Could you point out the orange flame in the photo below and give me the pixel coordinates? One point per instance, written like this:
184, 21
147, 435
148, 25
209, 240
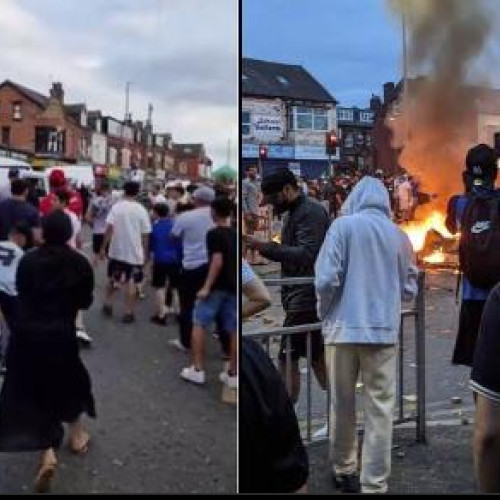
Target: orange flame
417, 231
436, 257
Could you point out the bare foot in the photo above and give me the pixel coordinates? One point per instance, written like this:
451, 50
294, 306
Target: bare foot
79, 441
46, 472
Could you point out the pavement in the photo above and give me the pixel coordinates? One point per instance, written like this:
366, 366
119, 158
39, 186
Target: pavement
444, 464
154, 433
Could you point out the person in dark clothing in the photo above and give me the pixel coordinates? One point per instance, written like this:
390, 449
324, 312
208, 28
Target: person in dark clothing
46, 382
217, 296
16, 209
485, 382
479, 180
302, 236
272, 457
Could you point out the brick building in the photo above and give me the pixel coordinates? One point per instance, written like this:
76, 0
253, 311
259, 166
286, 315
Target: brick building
42, 127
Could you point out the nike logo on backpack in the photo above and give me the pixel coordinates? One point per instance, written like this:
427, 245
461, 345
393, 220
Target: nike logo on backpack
480, 227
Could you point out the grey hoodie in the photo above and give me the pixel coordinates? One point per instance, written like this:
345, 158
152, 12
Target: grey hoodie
364, 270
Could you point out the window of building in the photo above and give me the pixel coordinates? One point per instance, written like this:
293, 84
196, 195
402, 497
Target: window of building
5, 135
360, 139
246, 126
315, 119
49, 140
349, 140
368, 140
17, 113
366, 117
346, 115
112, 154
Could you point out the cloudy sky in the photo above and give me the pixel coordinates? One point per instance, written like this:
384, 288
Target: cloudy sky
180, 55
351, 46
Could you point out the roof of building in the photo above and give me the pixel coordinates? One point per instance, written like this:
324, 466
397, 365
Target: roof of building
75, 108
270, 79
189, 150
32, 95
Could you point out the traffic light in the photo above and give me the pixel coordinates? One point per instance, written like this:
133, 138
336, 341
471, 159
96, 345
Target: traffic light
332, 142
263, 152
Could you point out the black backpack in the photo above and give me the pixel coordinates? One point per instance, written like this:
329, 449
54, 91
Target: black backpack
479, 250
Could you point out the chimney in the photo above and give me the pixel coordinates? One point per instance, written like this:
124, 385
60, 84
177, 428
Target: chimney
57, 92
388, 92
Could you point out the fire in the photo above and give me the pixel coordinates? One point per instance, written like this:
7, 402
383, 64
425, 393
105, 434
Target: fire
417, 231
436, 257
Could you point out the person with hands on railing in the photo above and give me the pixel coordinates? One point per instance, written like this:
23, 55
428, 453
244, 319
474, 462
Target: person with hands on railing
302, 235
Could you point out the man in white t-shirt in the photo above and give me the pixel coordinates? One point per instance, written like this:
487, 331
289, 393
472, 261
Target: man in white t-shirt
127, 233
192, 227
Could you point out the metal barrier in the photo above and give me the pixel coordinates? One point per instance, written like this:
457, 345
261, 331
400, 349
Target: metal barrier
417, 312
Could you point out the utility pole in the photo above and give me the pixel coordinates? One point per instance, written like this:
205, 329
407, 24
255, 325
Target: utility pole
406, 106
127, 98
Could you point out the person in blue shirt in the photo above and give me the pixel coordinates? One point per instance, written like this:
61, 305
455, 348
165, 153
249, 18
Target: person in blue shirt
479, 180
167, 257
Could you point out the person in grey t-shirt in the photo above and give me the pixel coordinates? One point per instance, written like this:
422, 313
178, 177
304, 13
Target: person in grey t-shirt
192, 227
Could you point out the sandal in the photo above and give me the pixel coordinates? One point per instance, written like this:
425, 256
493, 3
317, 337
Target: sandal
44, 477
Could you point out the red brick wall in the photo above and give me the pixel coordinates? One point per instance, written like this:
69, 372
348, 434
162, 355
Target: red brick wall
22, 133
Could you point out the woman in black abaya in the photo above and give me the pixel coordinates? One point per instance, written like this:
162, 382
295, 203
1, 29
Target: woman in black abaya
46, 382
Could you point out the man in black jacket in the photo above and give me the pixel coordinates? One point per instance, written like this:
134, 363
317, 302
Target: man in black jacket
303, 232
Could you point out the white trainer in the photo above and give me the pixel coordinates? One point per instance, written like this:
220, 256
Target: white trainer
230, 381
177, 343
192, 375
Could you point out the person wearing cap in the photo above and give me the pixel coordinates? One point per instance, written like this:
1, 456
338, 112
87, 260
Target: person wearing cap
192, 228
57, 180
479, 180
46, 383
302, 236
5, 191
128, 226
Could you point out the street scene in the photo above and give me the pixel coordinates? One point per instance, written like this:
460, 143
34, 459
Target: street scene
118, 247
370, 153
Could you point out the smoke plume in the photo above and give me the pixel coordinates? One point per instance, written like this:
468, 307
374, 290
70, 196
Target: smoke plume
437, 120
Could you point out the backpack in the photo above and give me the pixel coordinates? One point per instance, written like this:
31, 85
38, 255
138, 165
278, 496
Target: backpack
479, 249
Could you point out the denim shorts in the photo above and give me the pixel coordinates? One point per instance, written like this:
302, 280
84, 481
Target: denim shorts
219, 304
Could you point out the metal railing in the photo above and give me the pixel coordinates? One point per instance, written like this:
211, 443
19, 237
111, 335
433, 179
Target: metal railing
417, 312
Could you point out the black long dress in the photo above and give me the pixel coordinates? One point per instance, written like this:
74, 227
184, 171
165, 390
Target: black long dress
46, 382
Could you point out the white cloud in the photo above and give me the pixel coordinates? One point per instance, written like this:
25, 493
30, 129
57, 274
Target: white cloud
41, 44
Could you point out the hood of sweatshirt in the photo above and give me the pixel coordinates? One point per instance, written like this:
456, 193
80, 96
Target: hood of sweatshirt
368, 194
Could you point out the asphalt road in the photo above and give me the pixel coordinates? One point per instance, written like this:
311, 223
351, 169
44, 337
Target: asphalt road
154, 433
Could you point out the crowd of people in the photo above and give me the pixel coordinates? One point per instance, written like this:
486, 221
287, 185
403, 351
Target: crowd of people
364, 267
184, 237
403, 188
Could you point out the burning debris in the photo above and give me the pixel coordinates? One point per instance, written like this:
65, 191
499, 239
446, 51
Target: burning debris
432, 242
